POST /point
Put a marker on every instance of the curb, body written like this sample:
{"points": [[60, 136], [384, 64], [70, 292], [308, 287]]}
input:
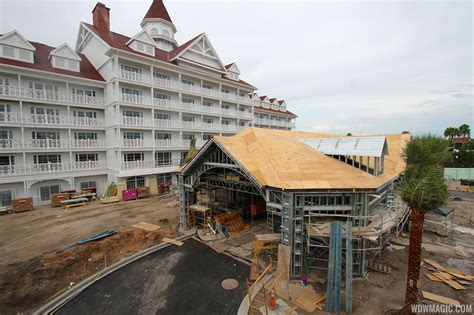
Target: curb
{"points": [[52, 306]]}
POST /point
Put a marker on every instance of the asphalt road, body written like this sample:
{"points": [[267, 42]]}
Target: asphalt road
{"points": [[463, 195], [174, 280]]}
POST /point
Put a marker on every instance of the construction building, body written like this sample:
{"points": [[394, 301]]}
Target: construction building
{"points": [[116, 108], [304, 181]]}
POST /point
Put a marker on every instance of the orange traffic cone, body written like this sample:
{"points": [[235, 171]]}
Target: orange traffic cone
{"points": [[273, 304]]}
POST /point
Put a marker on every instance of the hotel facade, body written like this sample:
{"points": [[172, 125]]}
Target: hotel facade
{"points": [[116, 108]]}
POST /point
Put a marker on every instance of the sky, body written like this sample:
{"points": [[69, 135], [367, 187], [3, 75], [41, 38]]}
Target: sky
{"points": [[341, 66]]}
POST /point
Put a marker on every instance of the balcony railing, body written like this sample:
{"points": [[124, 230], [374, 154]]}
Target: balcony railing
{"points": [[10, 144], [136, 121], [148, 164], [274, 122], [190, 107], [135, 99], [46, 144], [42, 168], [177, 143], [137, 143], [176, 85], [134, 76], [56, 120], [196, 125], [36, 94]]}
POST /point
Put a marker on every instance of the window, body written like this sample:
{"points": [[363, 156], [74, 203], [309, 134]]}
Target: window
{"points": [[4, 83], [80, 91], [25, 54], [207, 86], [42, 135], [5, 138], [84, 114], [207, 136], [85, 135], [88, 185], [8, 52], [163, 158], [226, 91], [132, 113], [207, 120], [242, 123], [161, 76], [149, 50], [154, 31], [183, 155], [165, 33], [225, 122], [4, 111], [188, 100], [60, 62], [132, 135], [6, 160], [128, 157], [45, 192], [207, 103], [187, 82], [132, 91], [166, 178], [72, 65], [6, 198], [188, 136], [140, 46], [131, 69], [40, 90], [225, 106], [82, 157], [162, 116], [188, 118], [162, 136], [46, 158], [161, 96], [134, 182]]}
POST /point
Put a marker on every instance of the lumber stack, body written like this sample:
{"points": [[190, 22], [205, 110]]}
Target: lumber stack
{"points": [[452, 277]]}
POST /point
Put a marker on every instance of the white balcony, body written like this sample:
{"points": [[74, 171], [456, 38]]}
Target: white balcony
{"points": [[148, 164], [46, 144], [195, 89], [86, 121], [274, 122], [135, 99], [87, 144], [177, 143], [197, 108], [14, 118], [194, 125], [136, 121], [45, 168], [10, 144], [51, 120], [137, 143], [134, 76], [52, 96]]}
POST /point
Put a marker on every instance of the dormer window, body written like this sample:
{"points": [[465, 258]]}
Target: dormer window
{"points": [[64, 57], [14, 46], [142, 42], [67, 64], [145, 48]]}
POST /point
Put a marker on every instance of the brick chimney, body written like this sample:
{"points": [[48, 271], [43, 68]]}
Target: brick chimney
{"points": [[101, 17]]}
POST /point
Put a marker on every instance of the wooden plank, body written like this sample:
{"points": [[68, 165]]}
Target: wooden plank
{"points": [[305, 304], [146, 226], [453, 284], [442, 275], [348, 267], [440, 299], [172, 241], [435, 264], [432, 278], [284, 260], [400, 241]]}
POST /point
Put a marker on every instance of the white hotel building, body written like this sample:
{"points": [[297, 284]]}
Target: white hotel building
{"points": [[116, 108]]}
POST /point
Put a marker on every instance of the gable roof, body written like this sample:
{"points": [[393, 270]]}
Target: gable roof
{"points": [[271, 110], [41, 62], [278, 158], [22, 42], [233, 67], [158, 10], [59, 51], [119, 41], [142, 37]]}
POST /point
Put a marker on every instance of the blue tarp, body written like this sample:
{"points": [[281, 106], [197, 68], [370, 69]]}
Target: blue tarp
{"points": [[96, 237]]}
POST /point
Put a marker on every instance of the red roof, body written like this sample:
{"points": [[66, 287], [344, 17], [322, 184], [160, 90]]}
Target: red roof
{"points": [[158, 10], [262, 97], [42, 63], [119, 41], [461, 140], [287, 112], [280, 102]]}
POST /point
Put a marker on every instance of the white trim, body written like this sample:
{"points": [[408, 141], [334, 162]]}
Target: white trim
{"points": [[150, 40], [28, 44], [94, 34], [233, 67], [144, 21], [65, 45]]}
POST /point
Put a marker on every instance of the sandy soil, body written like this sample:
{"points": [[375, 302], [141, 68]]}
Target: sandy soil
{"points": [[31, 273]]}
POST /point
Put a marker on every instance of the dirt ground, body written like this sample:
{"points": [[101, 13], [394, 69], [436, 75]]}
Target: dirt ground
{"points": [[31, 273]]}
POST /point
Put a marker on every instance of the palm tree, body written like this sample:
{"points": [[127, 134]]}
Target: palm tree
{"points": [[349, 134], [451, 132], [405, 132], [464, 130], [423, 189]]}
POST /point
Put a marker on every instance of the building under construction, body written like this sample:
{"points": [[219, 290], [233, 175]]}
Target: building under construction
{"points": [[299, 182]]}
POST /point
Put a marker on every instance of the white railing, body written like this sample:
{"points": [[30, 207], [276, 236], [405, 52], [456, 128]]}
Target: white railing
{"points": [[274, 122], [177, 143], [136, 121], [10, 144], [87, 143], [36, 94], [46, 144], [135, 99], [173, 84], [190, 107], [148, 164], [134, 76], [28, 169], [196, 125], [137, 143], [57, 120]]}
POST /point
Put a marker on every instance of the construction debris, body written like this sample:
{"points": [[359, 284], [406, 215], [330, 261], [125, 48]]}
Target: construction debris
{"points": [[449, 276], [146, 226], [379, 267], [96, 237], [440, 299], [172, 241]]}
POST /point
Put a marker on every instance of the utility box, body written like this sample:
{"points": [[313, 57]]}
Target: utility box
{"points": [[143, 192], [22, 204], [129, 194]]}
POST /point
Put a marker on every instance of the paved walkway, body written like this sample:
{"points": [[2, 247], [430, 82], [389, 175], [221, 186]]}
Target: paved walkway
{"points": [[174, 280]]}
